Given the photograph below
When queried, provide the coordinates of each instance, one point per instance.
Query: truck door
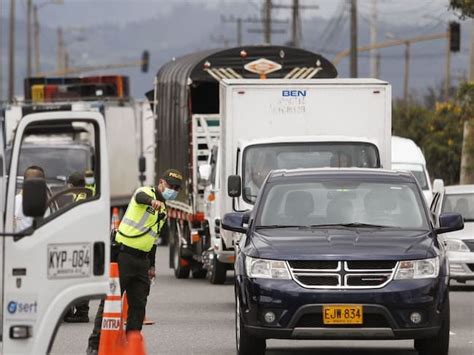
(65, 256)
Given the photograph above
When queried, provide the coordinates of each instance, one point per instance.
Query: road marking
(452, 333)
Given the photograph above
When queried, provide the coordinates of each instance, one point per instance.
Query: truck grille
(342, 274)
(469, 243)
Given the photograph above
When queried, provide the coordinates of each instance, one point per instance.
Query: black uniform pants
(133, 273)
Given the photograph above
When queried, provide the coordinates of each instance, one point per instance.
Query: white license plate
(69, 260)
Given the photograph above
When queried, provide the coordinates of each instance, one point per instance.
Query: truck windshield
(342, 203)
(460, 203)
(259, 159)
(417, 170)
(57, 162)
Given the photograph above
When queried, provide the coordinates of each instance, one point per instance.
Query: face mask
(90, 180)
(169, 194)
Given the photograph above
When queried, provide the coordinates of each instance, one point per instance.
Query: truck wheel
(199, 274)
(181, 270)
(172, 238)
(218, 272)
(439, 344)
(246, 344)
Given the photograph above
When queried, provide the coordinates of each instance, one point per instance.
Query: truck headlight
(417, 269)
(456, 245)
(266, 269)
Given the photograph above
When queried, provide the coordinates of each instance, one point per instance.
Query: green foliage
(465, 8)
(437, 130)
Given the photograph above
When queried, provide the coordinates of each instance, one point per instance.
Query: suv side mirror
(204, 171)
(234, 222)
(450, 222)
(34, 197)
(234, 186)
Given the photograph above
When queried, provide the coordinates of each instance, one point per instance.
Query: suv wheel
(199, 273)
(439, 344)
(246, 344)
(218, 272)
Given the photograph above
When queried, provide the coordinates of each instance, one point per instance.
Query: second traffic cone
(111, 334)
(115, 222)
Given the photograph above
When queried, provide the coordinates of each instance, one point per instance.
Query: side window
(64, 154)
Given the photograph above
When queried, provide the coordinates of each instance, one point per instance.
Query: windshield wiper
(276, 226)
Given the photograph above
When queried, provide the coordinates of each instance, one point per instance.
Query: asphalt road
(195, 317)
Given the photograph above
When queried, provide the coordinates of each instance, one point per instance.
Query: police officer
(136, 241)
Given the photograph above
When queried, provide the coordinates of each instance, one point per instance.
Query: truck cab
(55, 257)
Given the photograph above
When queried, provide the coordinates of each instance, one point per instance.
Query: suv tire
(218, 272)
(439, 344)
(246, 344)
(199, 274)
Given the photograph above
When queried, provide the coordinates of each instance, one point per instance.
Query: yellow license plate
(343, 314)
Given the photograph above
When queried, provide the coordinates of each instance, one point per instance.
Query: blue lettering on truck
(293, 93)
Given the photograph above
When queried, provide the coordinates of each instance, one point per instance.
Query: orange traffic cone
(135, 345)
(115, 222)
(146, 321)
(112, 334)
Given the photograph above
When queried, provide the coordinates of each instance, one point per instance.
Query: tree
(465, 8)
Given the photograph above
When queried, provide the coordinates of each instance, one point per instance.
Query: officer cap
(173, 177)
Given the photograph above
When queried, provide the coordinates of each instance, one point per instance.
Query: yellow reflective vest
(141, 225)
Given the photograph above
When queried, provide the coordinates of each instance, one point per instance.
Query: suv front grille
(342, 274)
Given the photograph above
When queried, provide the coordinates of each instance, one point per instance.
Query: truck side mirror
(204, 171)
(234, 186)
(438, 185)
(34, 197)
(450, 222)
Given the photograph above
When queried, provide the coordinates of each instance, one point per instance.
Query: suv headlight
(417, 269)
(266, 269)
(456, 245)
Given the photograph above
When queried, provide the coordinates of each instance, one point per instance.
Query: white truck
(287, 124)
(406, 155)
(63, 254)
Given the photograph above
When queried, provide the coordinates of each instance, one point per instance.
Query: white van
(406, 155)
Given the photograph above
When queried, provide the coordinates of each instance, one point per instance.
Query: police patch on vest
(150, 210)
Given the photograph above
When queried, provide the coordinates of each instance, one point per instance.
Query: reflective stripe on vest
(139, 228)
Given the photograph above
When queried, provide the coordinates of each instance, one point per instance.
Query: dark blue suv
(340, 254)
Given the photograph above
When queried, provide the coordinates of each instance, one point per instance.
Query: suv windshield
(364, 204)
(460, 203)
(259, 160)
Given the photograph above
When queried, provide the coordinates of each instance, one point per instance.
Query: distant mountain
(188, 27)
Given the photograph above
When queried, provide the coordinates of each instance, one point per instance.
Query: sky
(115, 31)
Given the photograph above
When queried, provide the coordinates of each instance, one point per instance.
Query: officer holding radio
(135, 248)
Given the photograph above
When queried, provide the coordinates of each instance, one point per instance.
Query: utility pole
(353, 62)
(11, 52)
(373, 40)
(59, 49)
(36, 41)
(296, 28)
(1, 54)
(29, 5)
(267, 29)
(471, 61)
(407, 73)
(239, 21)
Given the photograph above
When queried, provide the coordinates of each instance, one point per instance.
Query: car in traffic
(340, 254)
(459, 244)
